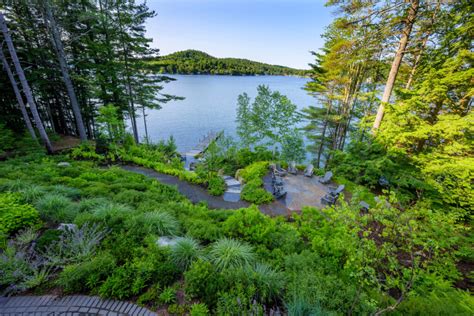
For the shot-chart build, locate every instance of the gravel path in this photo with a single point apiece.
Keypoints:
(196, 193)
(77, 305)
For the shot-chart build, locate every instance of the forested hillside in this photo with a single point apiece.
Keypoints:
(197, 62)
(387, 231)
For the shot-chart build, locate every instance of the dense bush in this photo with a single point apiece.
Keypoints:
(15, 215)
(185, 251)
(216, 185)
(253, 192)
(86, 276)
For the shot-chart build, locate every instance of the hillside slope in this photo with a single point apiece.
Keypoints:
(197, 62)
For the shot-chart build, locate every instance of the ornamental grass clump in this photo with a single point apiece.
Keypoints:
(159, 223)
(185, 251)
(230, 253)
(56, 208)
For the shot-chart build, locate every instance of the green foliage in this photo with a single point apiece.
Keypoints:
(86, 276)
(230, 253)
(49, 237)
(56, 208)
(7, 139)
(268, 120)
(168, 296)
(157, 222)
(199, 309)
(254, 171)
(14, 215)
(216, 185)
(254, 193)
(203, 281)
(185, 252)
(197, 62)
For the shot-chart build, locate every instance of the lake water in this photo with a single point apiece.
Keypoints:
(210, 105)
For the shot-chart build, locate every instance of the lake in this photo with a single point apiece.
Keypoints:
(210, 105)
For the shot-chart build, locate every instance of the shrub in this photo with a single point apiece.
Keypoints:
(230, 253)
(184, 252)
(254, 193)
(199, 309)
(216, 185)
(168, 296)
(56, 208)
(254, 171)
(49, 237)
(15, 215)
(86, 276)
(203, 281)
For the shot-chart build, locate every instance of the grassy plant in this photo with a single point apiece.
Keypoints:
(56, 208)
(158, 222)
(184, 252)
(14, 185)
(69, 192)
(269, 283)
(230, 253)
(31, 193)
(74, 245)
(26, 236)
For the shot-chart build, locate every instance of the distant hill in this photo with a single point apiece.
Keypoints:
(197, 62)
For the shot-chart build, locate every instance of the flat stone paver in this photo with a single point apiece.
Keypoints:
(68, 305)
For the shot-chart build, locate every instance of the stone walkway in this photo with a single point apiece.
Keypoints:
(79, 305)
(233, 190)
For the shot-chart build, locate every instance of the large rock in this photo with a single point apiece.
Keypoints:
(64, 164)
(165, 241)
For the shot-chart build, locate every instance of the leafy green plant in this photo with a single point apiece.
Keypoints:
(230, 253)
(199, 309)
(88, 275)
(254, 193)
(185, 251)
(15, 215)
(168, 295)
(216, 185)
(47, 238)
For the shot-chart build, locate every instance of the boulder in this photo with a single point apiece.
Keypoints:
(64, 164)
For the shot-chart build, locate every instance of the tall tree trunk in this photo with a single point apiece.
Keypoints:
(133, 116)
(58, 45)
(24, 112)
(422, 49)
(392, 76)
(145, 125)
(26, 87)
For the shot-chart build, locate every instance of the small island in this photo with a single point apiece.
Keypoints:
(200, 63)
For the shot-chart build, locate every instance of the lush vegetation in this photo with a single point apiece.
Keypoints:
(395, 125)
(197, 62)
(231, 261)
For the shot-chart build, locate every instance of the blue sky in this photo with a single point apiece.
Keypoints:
(273, 31)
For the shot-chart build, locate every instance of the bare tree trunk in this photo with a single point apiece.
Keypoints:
(144, 124)
(133, 117)
(392, 76)
(24, 112)
(422, 49)
(58, 45)
(25, 85)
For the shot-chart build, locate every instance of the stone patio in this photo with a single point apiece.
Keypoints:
(302, 191)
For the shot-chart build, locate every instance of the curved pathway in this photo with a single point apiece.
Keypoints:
(196, 193)
(68, 305)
